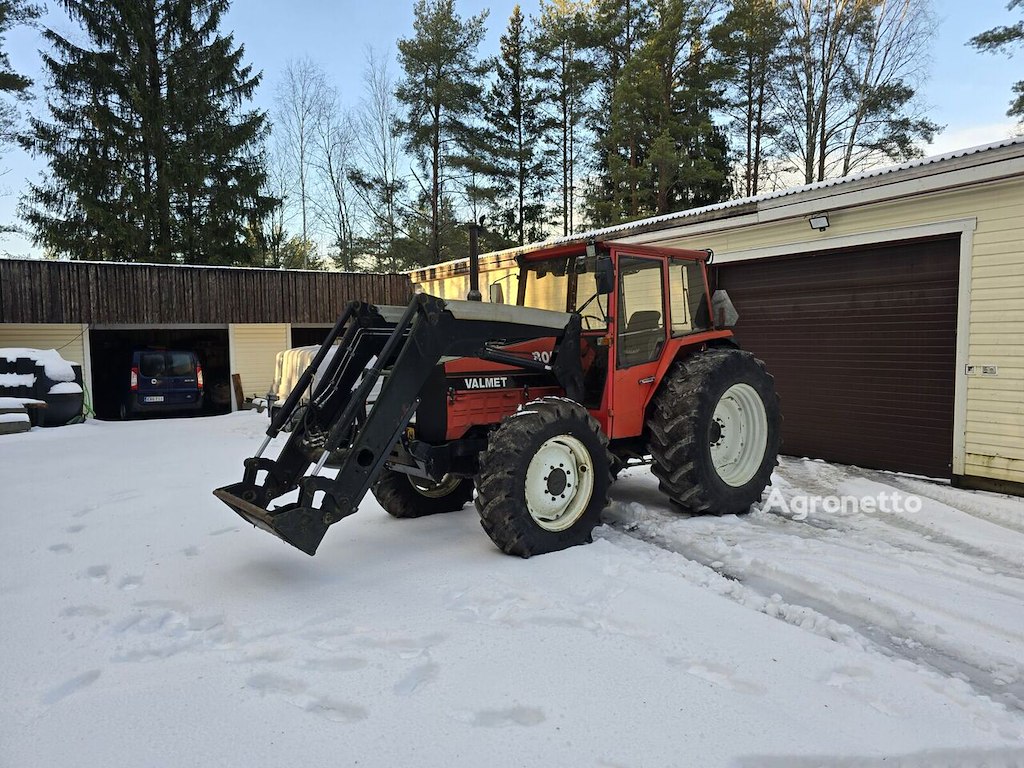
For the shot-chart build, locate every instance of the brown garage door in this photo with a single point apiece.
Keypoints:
(862, 347)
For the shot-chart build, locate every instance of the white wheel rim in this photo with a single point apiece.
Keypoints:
(433, 490)
(739, 435)
(559, 483)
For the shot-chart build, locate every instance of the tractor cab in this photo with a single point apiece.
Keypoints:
(639, 308)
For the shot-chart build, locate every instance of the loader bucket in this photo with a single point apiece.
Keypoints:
(294, 525)
(337, 423)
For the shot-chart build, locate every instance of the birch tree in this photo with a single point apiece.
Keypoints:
(847, 92)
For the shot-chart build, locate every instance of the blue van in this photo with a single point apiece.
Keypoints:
(161, 381)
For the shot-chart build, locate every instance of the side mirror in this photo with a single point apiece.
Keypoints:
(726, 315)
(497, 295)
(604, 274)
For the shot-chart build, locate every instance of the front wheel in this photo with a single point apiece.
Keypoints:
(714, 432)
(544, 478)
(405, 496)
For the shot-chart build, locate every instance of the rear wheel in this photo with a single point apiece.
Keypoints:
(405, 496)
(544, 478)
(714, 432)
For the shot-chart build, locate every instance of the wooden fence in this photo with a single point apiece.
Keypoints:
(39, 291)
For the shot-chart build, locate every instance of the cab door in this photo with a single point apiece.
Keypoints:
(640, 336)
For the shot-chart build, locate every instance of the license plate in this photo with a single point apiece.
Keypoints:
(153, 399)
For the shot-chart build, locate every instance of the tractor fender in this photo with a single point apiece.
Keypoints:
(682, 347)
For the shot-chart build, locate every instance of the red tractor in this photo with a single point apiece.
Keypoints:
(612, 352)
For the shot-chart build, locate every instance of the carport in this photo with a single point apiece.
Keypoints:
(235, 319)
(110, 355)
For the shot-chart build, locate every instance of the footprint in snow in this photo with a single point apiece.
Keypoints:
(74, 611)
(75, 528)
(130, 582)
(60, 549)
(98, 572)
(855, 682)
(840, 677)
(71, 686)
(419, 676)
(268, 682)
(192, 551)
(720, 675)
(294, 692)
(336, 664)
(335, 710)
(501, 718)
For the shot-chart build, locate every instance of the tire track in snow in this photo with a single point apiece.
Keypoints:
(802, 476)
(835, 613)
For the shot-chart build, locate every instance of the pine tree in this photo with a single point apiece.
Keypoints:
(441, 91)
(12, 84)
(560, 42)
(1004, 39)
(153, 155)
(618, 30)
(521, 163)
(749, 40)
(661, 149)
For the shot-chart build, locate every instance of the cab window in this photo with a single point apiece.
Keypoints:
(688, 301)
(591, 306)
(641, 310)
(547, 283)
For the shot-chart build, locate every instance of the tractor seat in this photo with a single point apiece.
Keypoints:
(644, 334)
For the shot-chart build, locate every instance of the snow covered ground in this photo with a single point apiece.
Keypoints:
(144, 624)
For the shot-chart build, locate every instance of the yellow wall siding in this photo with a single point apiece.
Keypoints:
(67, 338)
(456, 286)
(254, 349)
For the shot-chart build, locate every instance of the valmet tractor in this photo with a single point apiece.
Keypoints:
(612, 352)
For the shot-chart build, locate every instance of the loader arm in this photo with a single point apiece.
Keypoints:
(336, 423)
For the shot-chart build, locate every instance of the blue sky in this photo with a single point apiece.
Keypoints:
(967, 91)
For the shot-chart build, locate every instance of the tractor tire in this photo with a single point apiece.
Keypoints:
(714, 432)
(544, 478)
(404, 496)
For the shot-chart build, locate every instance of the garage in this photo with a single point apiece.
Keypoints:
(889, 305)
(233, 321)
(111, 350)
(862, 344)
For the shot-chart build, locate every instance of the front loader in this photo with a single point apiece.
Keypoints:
(612, 352)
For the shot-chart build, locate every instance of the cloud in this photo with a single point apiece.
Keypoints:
(963, 137)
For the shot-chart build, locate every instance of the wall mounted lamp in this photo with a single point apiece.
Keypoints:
(819, 221)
